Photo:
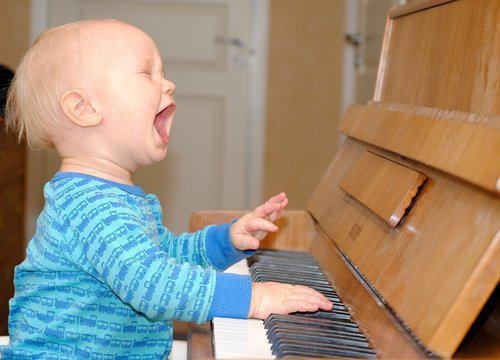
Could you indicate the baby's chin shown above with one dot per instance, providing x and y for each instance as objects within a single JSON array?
[{"x": 159, "y": 154}]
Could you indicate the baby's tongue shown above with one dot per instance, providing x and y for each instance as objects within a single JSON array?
[{"x": 159, "y": 123}]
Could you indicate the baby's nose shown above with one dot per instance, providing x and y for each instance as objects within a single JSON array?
[{"x": 168, "y": 87}]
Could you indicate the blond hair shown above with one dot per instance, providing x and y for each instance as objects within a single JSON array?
[
  {"x": 45, "y": 72},
  {"x": 32, "y": 107}
]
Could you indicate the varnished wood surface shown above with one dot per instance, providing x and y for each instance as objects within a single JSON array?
[
  {"x": 383, "y": 331},
  {"x": 11, "y": 235},
  {"x": 385, "y": 334},
  {"x": 460, "y": 148},
  {"x": 476, "y": 290},
  {"x": 383, "y": 186},
  {"x": 12, "y": 161},
  {"x": 200, "y": 342},
  {"x": 296, "y": 227},
  {"x": 413, "y": 6},
  {"x": 445, "y": 57},
  {"x": 421, "y": 266},
  {"x": 487, "y": 120},
  {"x": 485, "y": 343}
]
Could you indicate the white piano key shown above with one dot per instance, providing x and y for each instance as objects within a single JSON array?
[
  {"x": 239, "y": 338},
  {"x": 240, "y": 268}
]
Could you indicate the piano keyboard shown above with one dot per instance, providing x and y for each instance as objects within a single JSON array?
[{"x": 320, "y": 334}]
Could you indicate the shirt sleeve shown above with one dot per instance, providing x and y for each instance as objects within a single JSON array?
[
  {"x": 117, "y": 248},
  {"x": 209, "y": 247}
]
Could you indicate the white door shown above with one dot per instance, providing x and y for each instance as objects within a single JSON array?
[{"x": 204, "y": 45}]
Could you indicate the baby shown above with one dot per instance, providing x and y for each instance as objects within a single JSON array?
[{"x": 102, "y": 276}]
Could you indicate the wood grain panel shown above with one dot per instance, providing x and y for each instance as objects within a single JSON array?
[
  {"x": 487, "y": 275},
  {"x": 200, "y": 342},
  {"x": 422, "y": 266},
  {"x": 411, "y": 7},
  {"x": 463, "y": 149},
  {"x": 383, "y": 186},
  {"x": 444, "y": 57},
  {"x": 12, "y": 163},
  {"x": 385, "y": 334},
  {"x": 11, "y": 235},
  {"x": 296, "y": 227}
]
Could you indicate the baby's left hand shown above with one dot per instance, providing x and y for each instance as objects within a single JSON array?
[{"x": 251, "y": 228}]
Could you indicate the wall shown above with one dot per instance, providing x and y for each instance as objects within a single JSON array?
[
  {"x": 304, "y": 94},
  {"x": 14, "y": 31}
]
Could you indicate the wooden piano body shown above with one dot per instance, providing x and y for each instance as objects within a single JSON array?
[{"x": 405, "y": 221}]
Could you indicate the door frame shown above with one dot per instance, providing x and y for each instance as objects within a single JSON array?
[{"x": 255, "y": 132}]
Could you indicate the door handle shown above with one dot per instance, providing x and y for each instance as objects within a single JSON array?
[{"x": 227, "y": 41}]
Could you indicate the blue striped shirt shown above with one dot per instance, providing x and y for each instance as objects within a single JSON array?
[{"x": 103, "y": 278}]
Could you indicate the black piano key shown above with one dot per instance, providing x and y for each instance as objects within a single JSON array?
[
  {"x": 319, "y": 288},
  {"x": 319, "y": 334},
  {"x": 306, "y": 329},
  {"x": 282, "y": 342},
  {"x": 293, "y": 317},
  {"x": 293, "y": 264},
  {"x": 296, "y": 257},
  {"x": 318, "y": 323},
  {"x": 303, "y": 277},
  {"x": 283, "y": 254},
  {"x": 325, "y": 314},
  {"x": 298, "y": 352},
  {"x": 313, "y": 348}
]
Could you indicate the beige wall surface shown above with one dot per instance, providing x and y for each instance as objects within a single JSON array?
[
  {"x": 14, "y": 31},
  {"x": 304, "y": 94}
]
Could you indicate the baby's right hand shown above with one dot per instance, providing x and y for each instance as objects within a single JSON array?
[{"x": 275, "y": 298}]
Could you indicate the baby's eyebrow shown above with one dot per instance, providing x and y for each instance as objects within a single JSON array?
[{"x": 147, "y": 63}]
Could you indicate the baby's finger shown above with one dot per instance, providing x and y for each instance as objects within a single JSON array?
[
  {"x": 312, "y": 295},
  {"x": 293, "y": 305},
  {"x": 321, "y": 302},
  {"x": 247, "y": 242},
  {"x": 277, "y": 198},
  {"x": 266, "y": 209},
  {"x": 259, "y": 224},
  {"x": 276, "y": 214}
]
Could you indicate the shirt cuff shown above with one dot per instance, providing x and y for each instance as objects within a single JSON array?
[
  {"x": 232, "y": 296},
  {"x": 220, "y": 250}
]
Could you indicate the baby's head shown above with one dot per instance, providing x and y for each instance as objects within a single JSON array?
[{"x": 94, "y": 89}]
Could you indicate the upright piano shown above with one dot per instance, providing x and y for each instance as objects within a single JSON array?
[{"x": 404, "y": 224}]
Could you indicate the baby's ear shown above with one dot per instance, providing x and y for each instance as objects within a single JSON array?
[{"x": 78, "y": 108}]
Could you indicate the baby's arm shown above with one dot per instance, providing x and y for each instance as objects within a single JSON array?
[
  {"x": 220, "y": 246},
  {"x": 114, "y": 245}
]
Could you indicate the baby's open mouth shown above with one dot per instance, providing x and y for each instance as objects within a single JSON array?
[{"x": 161, "y": 122}]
